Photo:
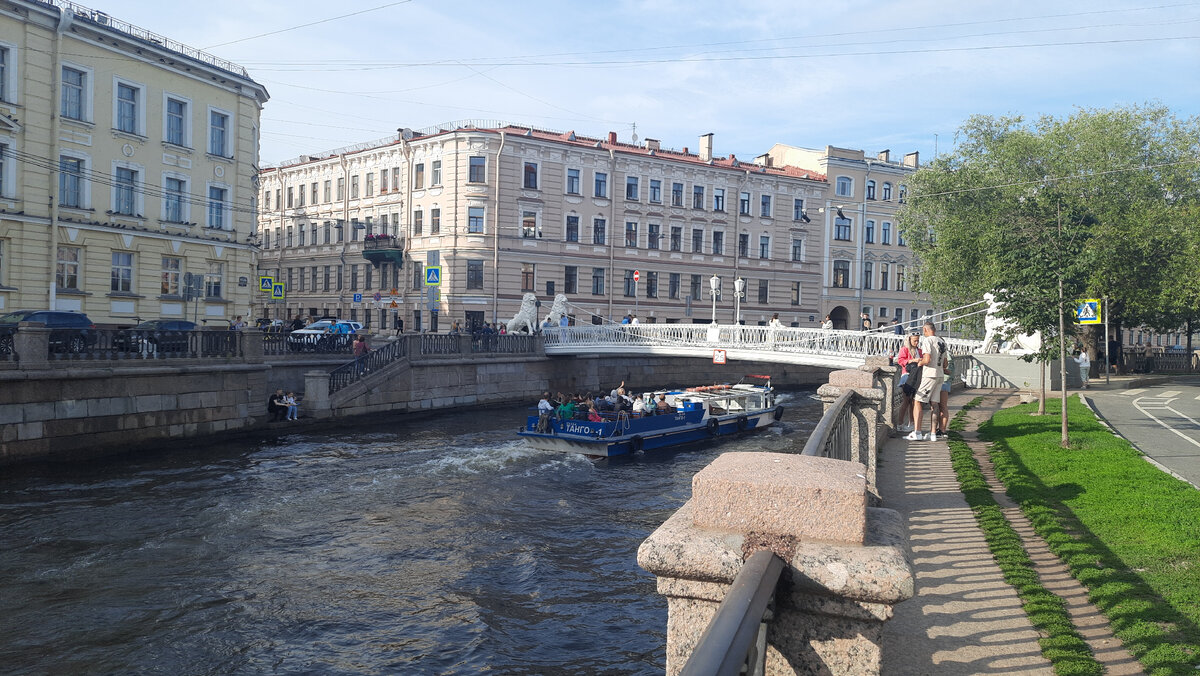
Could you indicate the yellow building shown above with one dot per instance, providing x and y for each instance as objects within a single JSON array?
[{"x": 142, "y": 151}]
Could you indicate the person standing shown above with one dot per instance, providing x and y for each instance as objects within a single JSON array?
[
  {"x": 775, "y": 323},
  {"x": 929, "y": 389},
  {"x": 866, "y": 322},
  {"x": 545, "y": 410},
  {"x": 827, "y": 324},
  {"x": 1085, "y": 366},
  {"x": 237, "y": 324},
  {"x": 909, "y": 354},
  {"x": 896, "y": 327}
]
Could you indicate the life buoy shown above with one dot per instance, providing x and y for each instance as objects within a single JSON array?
[
  {"x": 778, "y": 413},
  {"x": 742, "y": 423},
  {"x": 714, "y": 427},
  {"x": 635, "y": 444}
]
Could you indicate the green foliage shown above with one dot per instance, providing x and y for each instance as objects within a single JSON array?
[
  {"x": 1101, "y": 200},
  {"x": 1126, "y": 530}
]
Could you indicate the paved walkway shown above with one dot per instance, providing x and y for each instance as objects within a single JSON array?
[{"x": 965, "y": 619}]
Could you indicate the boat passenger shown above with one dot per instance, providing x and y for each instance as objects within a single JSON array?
[
  {"x": 566, "y": 410},
  {"x": 545, "y": 410},
  {"x": 662, "y": 405},
  {"x": 639, "y": 406},
  {"x": 593, "y": 415}
]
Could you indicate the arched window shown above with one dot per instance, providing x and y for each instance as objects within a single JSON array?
[
  {"x": 887, "y": 191},
  {"x": 844, "y": 186},
  {"x": 871, "y": 190},
  {"x": 903, "y": 192}
]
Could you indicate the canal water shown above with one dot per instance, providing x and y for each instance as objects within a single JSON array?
[{"x": 438, "y": 545}]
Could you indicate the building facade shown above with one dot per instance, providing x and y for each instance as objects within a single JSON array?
[
  {"x": 864, "y": 259},
  {"x": 141, "y": 152},
  {"x": 502, "y": 211}
]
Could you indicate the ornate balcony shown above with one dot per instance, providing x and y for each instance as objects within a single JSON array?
[{"x": 383, "y": 249}]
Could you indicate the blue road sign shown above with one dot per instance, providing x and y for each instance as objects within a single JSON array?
[
  {"x": 276, "y": 291},
  {"x": 358, "y": 298},
  {"x": 266, "y": 284},
  {"x": 433, "y": 275}
]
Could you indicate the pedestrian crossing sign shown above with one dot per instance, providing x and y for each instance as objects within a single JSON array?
[
  {"x": 1088, "y": 312},
  {"x": 277, "y": 291},
  {"x": 266, "y": 284},
  {"x": 433, "y": 275}
]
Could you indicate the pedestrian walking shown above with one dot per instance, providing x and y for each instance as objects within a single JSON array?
[{"x": 1085, "y": 366}]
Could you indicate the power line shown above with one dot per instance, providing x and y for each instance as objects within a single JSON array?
[{"x": 306, "y": 25}]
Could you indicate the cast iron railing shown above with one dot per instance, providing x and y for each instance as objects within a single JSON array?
[{"x": 372, "y": 362}]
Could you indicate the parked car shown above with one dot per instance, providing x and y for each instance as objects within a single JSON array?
[
  {"x": 269, "y": 325},
  {"x": 69, "y": 331},
  {"x": 156, "y": 335},
  {"x": 327, "y": 335}
]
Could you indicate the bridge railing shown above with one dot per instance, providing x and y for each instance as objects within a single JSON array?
[
  {"x": 831, "y": 438},
  {"x": 348, "y": 374}
]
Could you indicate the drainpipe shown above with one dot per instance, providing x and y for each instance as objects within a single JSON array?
[
  {"x": 737, "y": 255},
  {"x": 345, "y": 211},
  {"x": 64, "y": 23},
  {"x": 862, "y": 246},
  {"x": 496, "y": 237},
  {"x": 453, "y": 249},
  {"x": 406, "y": 148},
  {"x": 612, "y": 227}
]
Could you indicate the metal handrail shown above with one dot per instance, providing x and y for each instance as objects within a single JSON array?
[
  {"x": 736, "y": 636},
  {"x": 372, "y": 362},
  {"x": 831, "y": 437}
]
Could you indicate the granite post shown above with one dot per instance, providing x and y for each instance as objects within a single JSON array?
[
  {"x": 31, "y": 345},
  {"x": 316, "y": 395}
]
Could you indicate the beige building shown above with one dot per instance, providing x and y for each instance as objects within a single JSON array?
[
  {"x": 141, "y": 151},
  {"x": 864, "y": 260},
  {"x": 501, "y": 211}
]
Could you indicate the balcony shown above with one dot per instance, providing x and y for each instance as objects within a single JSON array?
[{"x": 383, "y": 249}]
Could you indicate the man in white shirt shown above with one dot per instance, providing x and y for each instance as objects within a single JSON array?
[
  {"x": 932, "y": 350},
  {"x": 545, "y": 410}
]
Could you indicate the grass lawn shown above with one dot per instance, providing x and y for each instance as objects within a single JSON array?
[{"x": 1128, "y": 531}]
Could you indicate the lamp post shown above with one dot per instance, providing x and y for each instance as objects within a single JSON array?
[
  {"x": 714, "y": 283},
  {"x": 739, "y": 291}
]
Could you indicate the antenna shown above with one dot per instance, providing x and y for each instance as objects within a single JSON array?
[{"x": 634, "y": 134}]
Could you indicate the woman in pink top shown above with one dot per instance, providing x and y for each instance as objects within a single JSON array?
[{"x": 910, "y": 352}]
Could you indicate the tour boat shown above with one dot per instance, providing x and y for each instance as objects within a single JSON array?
[{"x": 694, "y": 414}]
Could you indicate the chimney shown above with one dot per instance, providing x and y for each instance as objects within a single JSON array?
[
  {"x": 612, "y": 137},
  {"x": 706, "y": 147},
  {"x": 885, "y": 155},
  {"x": 913, "y": 160},
  {"x": 685, "y": 150},
  {"x": 652, "y": 144}
]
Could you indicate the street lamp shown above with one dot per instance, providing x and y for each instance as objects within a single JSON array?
[
  {"x": 714, "y": 283},
  {"x": 739, "y": 291}
]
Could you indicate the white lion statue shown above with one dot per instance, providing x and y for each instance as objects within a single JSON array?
[
  {"x": 526, "y": 317},
  {"x": 997, "y": 332},
  {"x": 558, "y": 310}
]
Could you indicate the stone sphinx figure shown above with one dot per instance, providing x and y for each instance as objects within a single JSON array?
[{"x": 1000, "y": 333}]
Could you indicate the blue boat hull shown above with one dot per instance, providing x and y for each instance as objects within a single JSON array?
[{"x": 611, "y": 438}]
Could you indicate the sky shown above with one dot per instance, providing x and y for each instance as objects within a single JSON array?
[{"x": 863, "y": 74}]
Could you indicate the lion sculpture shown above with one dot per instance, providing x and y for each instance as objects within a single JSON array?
[
  {"x": 526, "y": 317},
  {"x": 557, "y": 311},
  {"x": 998, "y": 329}
]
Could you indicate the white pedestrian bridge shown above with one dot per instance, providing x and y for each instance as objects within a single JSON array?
[{"x": 807, "y": 346}]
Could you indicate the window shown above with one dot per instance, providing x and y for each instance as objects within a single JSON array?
[
  {"x": 176, "y": 127},
  {"x": 884, "y": 273},
  {"x": 887, "y": 191},
  {"x": 325, "y": 279},
  {"x": 121, "y": 280},
  {"x": 655, "y": 191},
  {"x": 652, "y": 285},
  {"x": 266, "y": 235},
  {"x": 763, "y": 291},
  {"x": 215, "y": 276},
  {"x": 764, "y": 207},
  {"x": 418, "y": 222},
  {"x": 676, "y": 238},
  {"x": 597, "y": 281},
  {"x": 744, "y": 245},
  {"x": 291, "y": 197},
  {"x": 844, "y": 187},
  {"x": 418, "y": 279},
  {"x": 631, "y": 234},
  {"x": 173, "y": 195},
  {"x": 476, "y": 172},
  {"x": 171, "y": 271},
  {"x": 601, "y": 187},
  {"x": 435, "y": 172},
  {"x": 676, "y": 194},
  {"x": 123, "y": 191},
  {"x": 841, "y": 229},
  {"x": 370, "y": 184},
  {"x": 570, "y": 279},
  {"x": 598, "y": 231},
  {"x": 5, "y": 94},
  {"x": 673, "y": 285},
  {"x": 718, "y": 243},
  {"x": 869, "y": 232},
  {"x": 903, "y": 193},
  {"x": 70, "y": 182},
  {"x": 899, "y": 237},
  {"x": 630, "y": 284},
  {"x": 475, "y": 220},
  {"x": 300, "y": 196},
  {"x": 550, "y": 289},
  {"x": 529, "y": 225},
  {"x": 719, "y": 199},
  {"x": 796, "y": 293},
  {"x": 631, "y": 188},
  {"x": 289, "y": 235},
  {"x": 886, "y": 234},
  {"x": 797, "y": 249},
  {"x": 764, "y": 247},
  {"x": 797, "y": 209},
  {"x": 697, "y": 240},
  {"x": 841, "y": 274},
  {"x": 418, "y": 178},
  {"x": 900, "y": 278},
  {"x": 354, "y": 187},
  {"x": 218, "y": 133},
  {"x": 354, "y": 277},
  {"x": 216, "y": 208},
  {"x": 327, "y": 232},
  {"x": 530, "y": 176},
  {"x": 341, "y": 188},
  {"x": 66, "y": 269},
  {"x": 435, "y": 222},
  {"x": 128, "y": 108},
  {"x": 527, "y": 276},
  {"x": 867, "y": 270},
  {"x": 314, "y": 192},
  {"x": 571, "y": 233},
  {"x": 74, "y": 83},
  {"x": 697, "y": 197},
  {"x": 916, "y": 314},
  {"x": 383, "y": 184},
  {"x": 870, "y": 190},
  {"x": 572, "y": 181},
  {"x": 744, "y": 204},
  {"x": 326, "y": 192},
  {"x": 653, "y": 235}
]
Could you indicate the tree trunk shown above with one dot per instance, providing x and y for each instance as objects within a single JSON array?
[
  {"x": 1042, "y": 399},
  {"x": 1062, "y": 343},
  {"x": 1191, "y": 359}
]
